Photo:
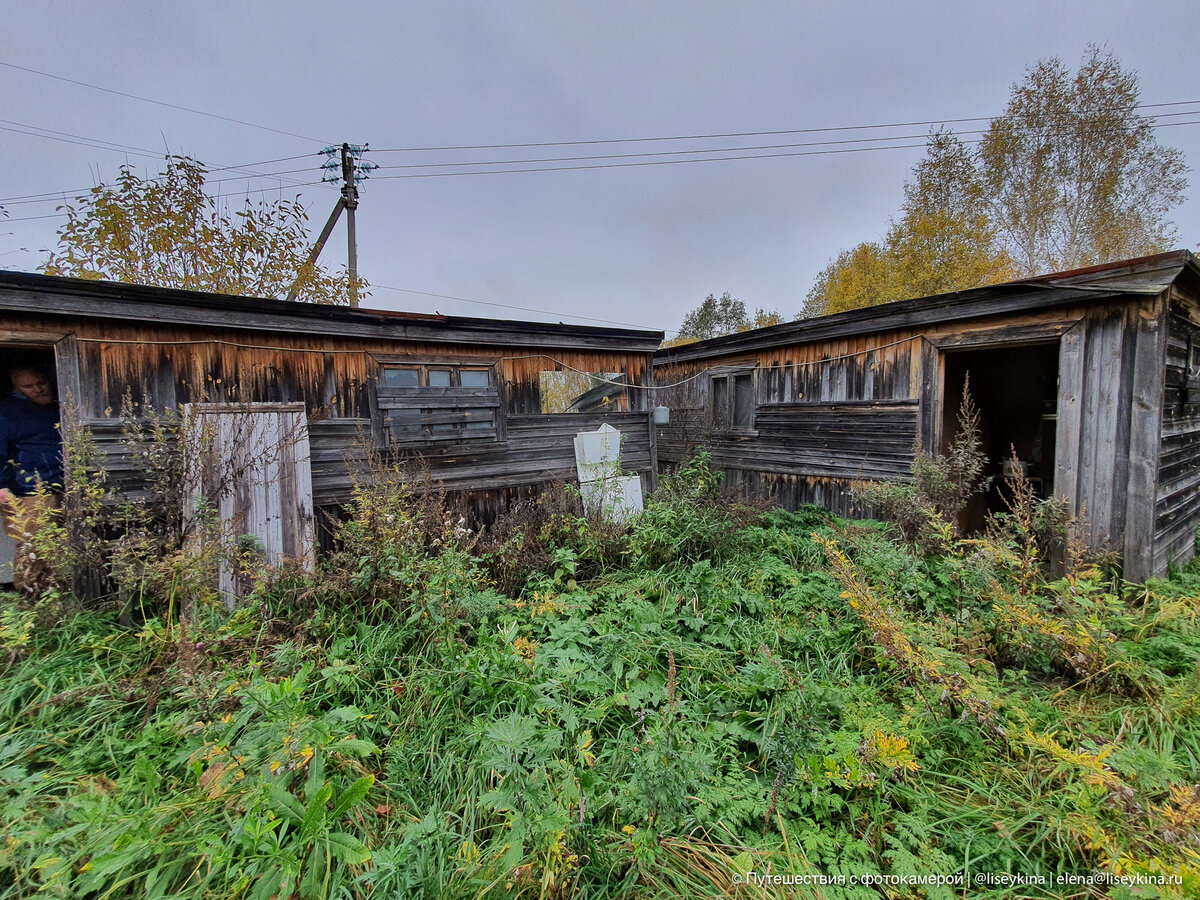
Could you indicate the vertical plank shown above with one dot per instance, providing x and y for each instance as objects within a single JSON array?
[
  {"x": 652, "y": 473},
  {"x": 1068, "y": 430},
  {"x": 1124, "y": 407},
  {"x": 264, "y": 486},
  {"x": 66, "y": 367},
  {"x": 1101, "y": 400},
  {"x": 305, "y": 547},
  {"x": 1149, "y": 377},
  {"x": 930, "y": 396}
]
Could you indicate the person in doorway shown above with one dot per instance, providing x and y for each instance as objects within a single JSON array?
[{"x": 31, "y": 454}]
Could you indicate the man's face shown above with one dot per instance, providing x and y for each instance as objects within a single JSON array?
[{"x": 35, "y": 388}]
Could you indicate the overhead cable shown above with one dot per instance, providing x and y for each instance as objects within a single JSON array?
[{"x": 198, "y": 112}]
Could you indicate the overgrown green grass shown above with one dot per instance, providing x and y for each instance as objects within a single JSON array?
[{"x": 788, "y": 693}]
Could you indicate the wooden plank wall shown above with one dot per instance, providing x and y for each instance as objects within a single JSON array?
[
  {"x": 834, "y": 412},
  {"x": 162, "y": 367},
  {"x": 827, "y": 415},
  {"x": 539, "y": 451},
  {"x": 1109, "y": 421},
  {"x": 1177, "y": 506}
]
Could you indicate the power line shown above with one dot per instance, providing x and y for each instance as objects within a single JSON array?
[
  {"x": 664, "y": 162},
  {"x": 55, "y": 195},
  {"x": 58, "y": 196},
  {"x": 46, "y": 196},
  {"x": 732, "y": 134},
  {"x": 113, "y": 147},
  {"x": 52, "y": 196},
  {"x": 866, "y": 140},
  {"x": 4, "y": 221},
  {"x": 61, "y": 196},
  {"x": 50, "y": 132},
  {"x": 198, "y": 112},
  {"x": 31, "y": 218},
  {"x": 676, "y": 162},
  {"x": 96, "y": 145},
  {"x": 547, "y": 312}
]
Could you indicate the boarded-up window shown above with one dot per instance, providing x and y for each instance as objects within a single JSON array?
[
  {"x": 583, "y": 392},
  {"x": 439, "y": 402}
]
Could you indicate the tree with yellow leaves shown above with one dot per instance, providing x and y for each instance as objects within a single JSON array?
[
  {"x": 168, "y": 231},
  {"x": 1071, "y": 175},
  {"x": 944, "y": 240},
  {"x": 1074, "y": 174}
]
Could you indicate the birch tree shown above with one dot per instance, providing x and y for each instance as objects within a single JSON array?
[{"x": 1074, "y": 174}]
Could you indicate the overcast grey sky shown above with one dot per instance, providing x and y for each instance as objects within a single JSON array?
[{"x": 635, "y": 245}]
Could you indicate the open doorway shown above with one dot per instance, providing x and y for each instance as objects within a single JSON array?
[
  {"x": 1015, "y": 390},
  {"x": 40, "y": 359}
]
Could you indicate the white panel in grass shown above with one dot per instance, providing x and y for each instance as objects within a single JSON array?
[{"x": 605, "y": 490}]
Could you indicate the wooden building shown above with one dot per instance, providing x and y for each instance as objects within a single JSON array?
[
  {"x": 489, "y": 404},
  {"x": 1092, "y": 376}
]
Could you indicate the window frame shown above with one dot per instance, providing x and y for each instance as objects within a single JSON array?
[
  {"x": 388, "y": 431},
  {"x": 625, "y": 394},
  {"x": 423, "y": 369},
  {"x": 723, "y": 399}
]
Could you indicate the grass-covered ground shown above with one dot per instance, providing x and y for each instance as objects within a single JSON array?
[{"x": 713, "y": 695}]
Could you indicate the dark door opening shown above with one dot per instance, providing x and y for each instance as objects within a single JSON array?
[
  {"x": 39, "y": 359},
  {"x": 1015, "y": 390}
]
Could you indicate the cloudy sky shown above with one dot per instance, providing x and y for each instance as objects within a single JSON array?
[{"x": 602, "y": 239}]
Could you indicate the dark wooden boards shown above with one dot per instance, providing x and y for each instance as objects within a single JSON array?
[{"x": 1126, "y": 411}]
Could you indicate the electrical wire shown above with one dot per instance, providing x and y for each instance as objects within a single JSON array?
[
  {"x": 78, "y": 138},
  {"x": 5, "y": 221},
  {"x": 675, "y": 162},
  {"x": 60, "y": 196},
  {"x": 53, "y": 195},
  {"x": 113, "y": 147},
  {"x": 198, "y": 112},
  {"x": 733, "y": 134},
  {"x": 633, "y": 165},
  {"x": 547, "y": 312},
  {"x": 905, "y": 137}
]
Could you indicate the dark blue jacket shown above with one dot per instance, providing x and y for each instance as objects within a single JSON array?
[{"x": 30, "y": 445}]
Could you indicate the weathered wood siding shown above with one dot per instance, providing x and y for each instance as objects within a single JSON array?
[
  {"x": 836, "y": 411},
  {"x": 827, "y": 415},
  {"x": 161, "y": 367},
  {"x": 1177, "y": 507},
  {"x": 251, "y": 465}
]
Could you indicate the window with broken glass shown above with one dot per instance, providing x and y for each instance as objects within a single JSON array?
[{"x": 583, "y": 392}]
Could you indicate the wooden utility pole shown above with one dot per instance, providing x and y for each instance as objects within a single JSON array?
[
  {"x": 316, "y": 250},
  {"x": 350, "y": 201}
]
